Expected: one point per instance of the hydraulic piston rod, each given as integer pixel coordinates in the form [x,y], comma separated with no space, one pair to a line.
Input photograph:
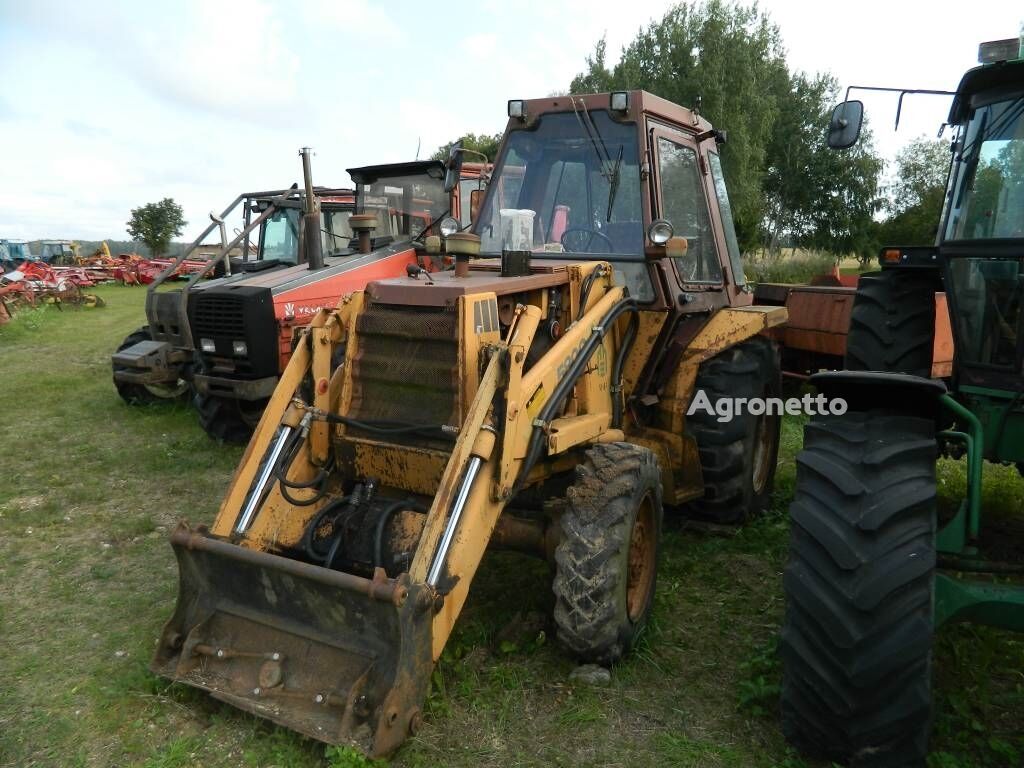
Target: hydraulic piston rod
[453,521]
[266,471]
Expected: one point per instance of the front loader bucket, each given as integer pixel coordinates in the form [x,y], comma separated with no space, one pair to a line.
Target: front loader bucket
[340,658]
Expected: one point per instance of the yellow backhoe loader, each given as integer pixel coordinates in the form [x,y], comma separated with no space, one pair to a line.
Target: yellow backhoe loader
[533,397]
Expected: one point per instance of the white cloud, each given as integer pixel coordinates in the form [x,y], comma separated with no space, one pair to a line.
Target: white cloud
[199,100]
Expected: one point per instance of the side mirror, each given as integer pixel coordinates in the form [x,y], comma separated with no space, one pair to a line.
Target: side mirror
[844,127]
[476,198]
[454,172]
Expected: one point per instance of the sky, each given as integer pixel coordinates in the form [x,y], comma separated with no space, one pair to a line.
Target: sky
[105,106]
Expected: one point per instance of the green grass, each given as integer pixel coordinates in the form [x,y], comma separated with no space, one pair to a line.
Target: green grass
[91,489]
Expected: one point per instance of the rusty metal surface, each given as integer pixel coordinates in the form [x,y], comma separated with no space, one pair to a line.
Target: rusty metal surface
[405,368]
[342,659]
[446,287]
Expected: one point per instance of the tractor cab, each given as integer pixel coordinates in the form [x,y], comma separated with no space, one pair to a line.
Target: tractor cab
[280,235]
[404,199]
[981,236]
[615,177]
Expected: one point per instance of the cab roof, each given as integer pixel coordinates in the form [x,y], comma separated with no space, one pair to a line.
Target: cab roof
[640,103]
[995,79]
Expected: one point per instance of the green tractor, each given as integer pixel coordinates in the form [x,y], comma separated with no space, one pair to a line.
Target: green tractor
[874,568]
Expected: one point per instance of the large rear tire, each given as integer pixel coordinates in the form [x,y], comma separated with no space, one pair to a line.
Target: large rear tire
[857,637]
[146,394]
[606,563]
[892,323]
[737,457]
[229,421]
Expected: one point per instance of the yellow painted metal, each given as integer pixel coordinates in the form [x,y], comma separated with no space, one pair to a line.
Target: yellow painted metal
[416,470]
[473,338]
[570,431]
[261,439]
[324,336]
[519,340]
[466,552]
[649,328]
[540,381]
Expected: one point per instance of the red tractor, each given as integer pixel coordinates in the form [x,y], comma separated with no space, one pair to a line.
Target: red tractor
[244,330]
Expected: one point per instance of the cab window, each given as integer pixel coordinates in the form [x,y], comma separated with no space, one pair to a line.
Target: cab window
[684,205]
[725,213]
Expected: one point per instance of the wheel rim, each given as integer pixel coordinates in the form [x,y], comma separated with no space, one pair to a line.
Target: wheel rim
[762,454]
[166,391]
[641,567]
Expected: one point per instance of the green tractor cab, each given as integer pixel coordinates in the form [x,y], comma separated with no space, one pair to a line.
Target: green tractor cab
[873,570]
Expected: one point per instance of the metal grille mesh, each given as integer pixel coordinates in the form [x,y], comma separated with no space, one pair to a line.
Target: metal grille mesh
[406,367]
[219,316]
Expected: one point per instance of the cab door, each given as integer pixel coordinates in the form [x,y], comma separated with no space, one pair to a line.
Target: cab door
[681,197]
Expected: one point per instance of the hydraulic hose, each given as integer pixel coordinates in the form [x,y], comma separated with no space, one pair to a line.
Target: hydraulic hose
[316,522]
[382,524]
[620,360]
[319,482]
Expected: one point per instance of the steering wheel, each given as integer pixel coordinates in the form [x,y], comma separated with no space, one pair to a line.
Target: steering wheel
[586,235]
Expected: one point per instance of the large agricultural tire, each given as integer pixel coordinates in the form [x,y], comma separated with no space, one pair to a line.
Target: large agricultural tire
[857,637]
[606,563]
[146,394]
[737,457]
[892,323]
[227,420]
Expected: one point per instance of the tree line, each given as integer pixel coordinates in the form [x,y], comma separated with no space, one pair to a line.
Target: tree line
[728,61]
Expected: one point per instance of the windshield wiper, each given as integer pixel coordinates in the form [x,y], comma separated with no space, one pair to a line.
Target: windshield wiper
[613,184]
[987,132]
[609,168]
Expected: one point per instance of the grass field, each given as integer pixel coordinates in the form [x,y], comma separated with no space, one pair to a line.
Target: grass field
[90,489]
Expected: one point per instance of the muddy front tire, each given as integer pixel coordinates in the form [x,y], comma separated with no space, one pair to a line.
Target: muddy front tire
[142,394]
[857,636]
[737,457]
[606,563]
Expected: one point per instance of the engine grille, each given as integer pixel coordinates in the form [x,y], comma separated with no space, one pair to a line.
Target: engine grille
[406,368]
[219,316]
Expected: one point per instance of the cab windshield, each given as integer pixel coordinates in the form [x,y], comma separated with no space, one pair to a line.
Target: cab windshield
[404,205]
[986,198]
[570,184]
[280,238]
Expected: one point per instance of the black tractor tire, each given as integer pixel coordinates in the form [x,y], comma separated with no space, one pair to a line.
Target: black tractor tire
[892,323]
[140,394]
[737,457]
[229,421]
[606,563]
[856,641]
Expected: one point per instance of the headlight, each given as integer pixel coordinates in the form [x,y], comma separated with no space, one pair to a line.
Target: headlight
[207,345]
[660,231]
[239,348]
[448,226]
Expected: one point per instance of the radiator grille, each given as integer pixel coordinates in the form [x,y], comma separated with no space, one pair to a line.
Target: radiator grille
[219,316]
[406,367]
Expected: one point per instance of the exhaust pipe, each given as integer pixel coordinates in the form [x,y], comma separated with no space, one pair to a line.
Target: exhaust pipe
[311,217]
